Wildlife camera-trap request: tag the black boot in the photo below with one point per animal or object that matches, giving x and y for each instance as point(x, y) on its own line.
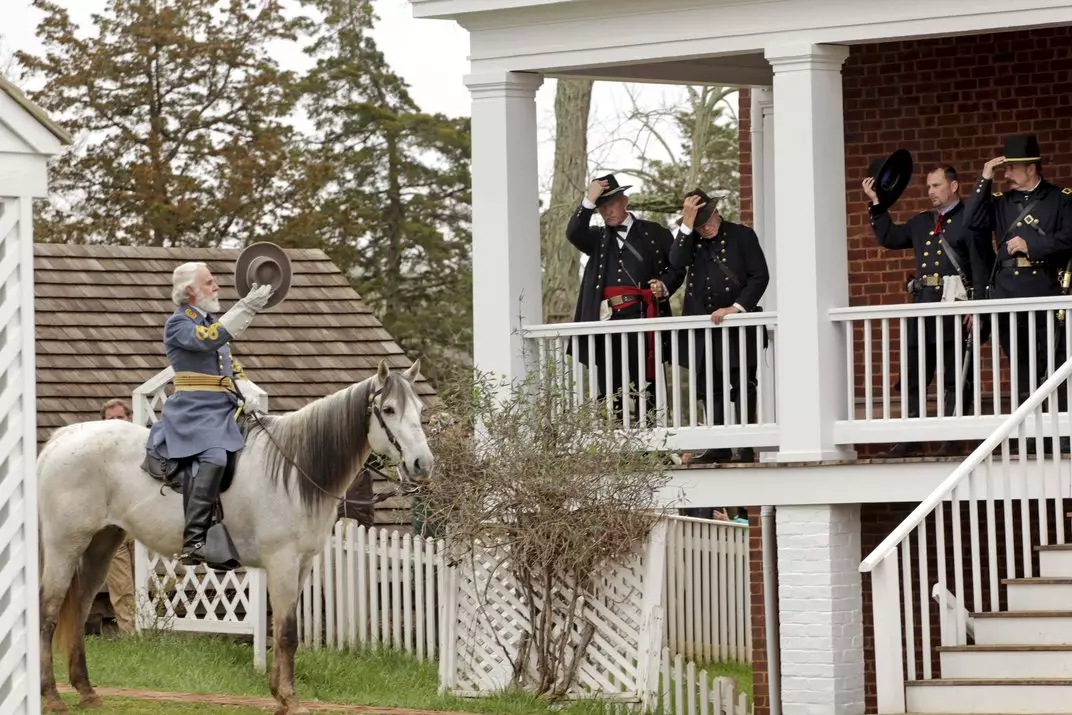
point(203, 541)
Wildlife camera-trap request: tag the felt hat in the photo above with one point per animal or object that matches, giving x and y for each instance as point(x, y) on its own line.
point(263, 263)
point(706, 209)
point(613, 189)
point(892, 175)
point(1021, 148)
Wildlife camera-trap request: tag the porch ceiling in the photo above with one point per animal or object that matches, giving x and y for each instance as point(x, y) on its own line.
point(736, 70)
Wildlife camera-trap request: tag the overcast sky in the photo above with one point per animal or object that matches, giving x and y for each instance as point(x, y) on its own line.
point(432, 56)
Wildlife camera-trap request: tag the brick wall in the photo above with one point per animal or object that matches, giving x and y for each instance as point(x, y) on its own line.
point(948, 100)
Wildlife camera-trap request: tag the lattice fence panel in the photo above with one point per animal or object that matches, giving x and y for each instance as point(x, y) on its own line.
point(18, 483)
point(492, 622)
point(171, 596)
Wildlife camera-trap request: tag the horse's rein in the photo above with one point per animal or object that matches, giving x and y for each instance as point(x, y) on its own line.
point(376, 499)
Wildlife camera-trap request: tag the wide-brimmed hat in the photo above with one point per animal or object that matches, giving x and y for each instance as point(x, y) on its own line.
point(263, 263)
point(706, 209)
point(1021, 148)
point(892, 176)
point(613, 189)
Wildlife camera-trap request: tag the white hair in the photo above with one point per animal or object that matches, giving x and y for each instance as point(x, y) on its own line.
point(182, 278)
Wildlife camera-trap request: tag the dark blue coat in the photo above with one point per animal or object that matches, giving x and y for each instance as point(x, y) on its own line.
point(194, 421)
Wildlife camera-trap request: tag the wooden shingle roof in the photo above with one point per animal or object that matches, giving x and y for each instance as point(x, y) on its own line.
point(100, 313)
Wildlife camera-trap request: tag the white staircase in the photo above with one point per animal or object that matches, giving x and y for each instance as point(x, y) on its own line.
point(1021, 660)
point(990, 546)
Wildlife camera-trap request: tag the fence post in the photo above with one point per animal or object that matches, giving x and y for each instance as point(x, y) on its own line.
point(889, 655)
point(651, 616)
point(258, 605)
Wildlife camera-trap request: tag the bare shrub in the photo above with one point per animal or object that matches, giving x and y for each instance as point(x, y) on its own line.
point(538, 486)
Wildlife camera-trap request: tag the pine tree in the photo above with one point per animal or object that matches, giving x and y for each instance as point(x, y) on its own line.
point(180, 113)
point(392, 189)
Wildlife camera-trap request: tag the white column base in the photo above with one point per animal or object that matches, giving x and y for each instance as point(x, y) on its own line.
point(820, 609)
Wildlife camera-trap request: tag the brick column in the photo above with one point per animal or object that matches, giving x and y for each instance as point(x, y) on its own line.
point(820, 610)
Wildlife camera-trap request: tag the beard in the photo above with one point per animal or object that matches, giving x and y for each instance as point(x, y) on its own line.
point(209, 302)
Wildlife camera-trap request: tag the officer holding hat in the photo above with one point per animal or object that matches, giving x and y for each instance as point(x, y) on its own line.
point(727, 274)
point(950, 261)
point(627, 276)
point(1032, 224)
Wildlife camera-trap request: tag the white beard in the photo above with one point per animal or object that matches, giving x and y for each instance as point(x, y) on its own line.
point(210, 304)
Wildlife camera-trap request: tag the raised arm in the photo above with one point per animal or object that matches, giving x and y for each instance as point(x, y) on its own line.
point(889, 234)
point(682, 252)
point(579, 230)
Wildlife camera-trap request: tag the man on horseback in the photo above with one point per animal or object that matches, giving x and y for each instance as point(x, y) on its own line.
point(200, 421)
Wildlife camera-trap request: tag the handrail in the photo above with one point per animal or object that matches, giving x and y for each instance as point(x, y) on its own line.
point(960, 307)
point(884, 549)
point(677, 322)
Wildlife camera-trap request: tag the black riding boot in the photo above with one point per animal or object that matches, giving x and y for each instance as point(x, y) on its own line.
point(200, 496)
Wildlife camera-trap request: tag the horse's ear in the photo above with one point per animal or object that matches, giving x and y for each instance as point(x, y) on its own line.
point(411, 373)
point(382, 372)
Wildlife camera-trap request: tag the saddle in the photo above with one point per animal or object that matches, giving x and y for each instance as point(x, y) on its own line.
point(174, 473)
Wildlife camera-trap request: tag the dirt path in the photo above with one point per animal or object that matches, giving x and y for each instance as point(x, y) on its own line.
point(251, 701)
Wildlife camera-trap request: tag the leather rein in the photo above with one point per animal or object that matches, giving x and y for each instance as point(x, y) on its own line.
point(374, 406)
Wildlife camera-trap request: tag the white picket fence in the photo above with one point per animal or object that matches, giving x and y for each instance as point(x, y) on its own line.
point(371, 588)
point(706, 593)
point(374, 588)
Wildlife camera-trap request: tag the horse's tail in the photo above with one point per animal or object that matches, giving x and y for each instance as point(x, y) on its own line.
point(69, 620)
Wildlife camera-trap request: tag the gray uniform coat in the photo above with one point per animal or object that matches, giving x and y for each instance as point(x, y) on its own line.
point(193, 422)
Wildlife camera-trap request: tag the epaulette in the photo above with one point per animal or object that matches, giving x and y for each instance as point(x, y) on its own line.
point(190, 313)
point(1066, 192)
point(996, 193)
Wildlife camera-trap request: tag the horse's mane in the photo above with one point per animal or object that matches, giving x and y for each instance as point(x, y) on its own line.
point(327, 439)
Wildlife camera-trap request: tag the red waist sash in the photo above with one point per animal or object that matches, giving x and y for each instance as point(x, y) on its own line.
point(650, 311)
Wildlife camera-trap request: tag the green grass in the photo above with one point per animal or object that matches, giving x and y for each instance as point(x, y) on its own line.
point(219, 665)
point(134, 706)
point(740, 673)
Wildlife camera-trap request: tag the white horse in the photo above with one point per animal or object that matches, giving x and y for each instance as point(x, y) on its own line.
point(279, 509)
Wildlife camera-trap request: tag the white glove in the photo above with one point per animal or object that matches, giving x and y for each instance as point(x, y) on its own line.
point(237, 319)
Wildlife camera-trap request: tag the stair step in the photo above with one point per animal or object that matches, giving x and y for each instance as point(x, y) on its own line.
point(1023, 628)
point(1037, 594)
point(1006, 662)
point(968, 696)
point(1055, 561)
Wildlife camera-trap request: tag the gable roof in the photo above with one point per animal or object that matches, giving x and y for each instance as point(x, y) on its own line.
point(34, 111)
point(100, 313)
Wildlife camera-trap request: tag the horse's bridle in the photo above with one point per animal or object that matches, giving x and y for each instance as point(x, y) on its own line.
point(403, 488)
point(374, 405)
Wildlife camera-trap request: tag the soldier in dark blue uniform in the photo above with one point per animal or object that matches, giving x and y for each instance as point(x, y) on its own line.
point(200, 420)
point(628, 275)
point(945, 248)
point(727, 274)
point(1032, 223)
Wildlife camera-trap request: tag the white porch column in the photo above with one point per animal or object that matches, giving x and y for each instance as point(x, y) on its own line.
point(821, 632)
point(506, 218)
point(811, 262)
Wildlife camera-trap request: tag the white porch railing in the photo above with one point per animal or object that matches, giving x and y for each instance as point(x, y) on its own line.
point(168, 595)
point(987, 492)
point(876, 349)
point(670, 406)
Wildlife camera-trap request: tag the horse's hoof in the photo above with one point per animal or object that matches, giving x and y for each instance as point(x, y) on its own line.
point(90, 702)
point(55, 705)
point(294, 709)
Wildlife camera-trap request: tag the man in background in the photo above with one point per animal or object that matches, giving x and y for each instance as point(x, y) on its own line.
point(120, 580)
